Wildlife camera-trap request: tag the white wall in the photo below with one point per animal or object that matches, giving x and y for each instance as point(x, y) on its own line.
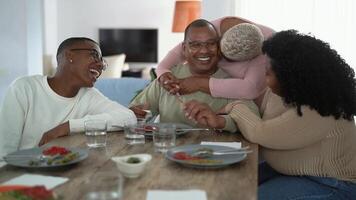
point(20, 39)
point(34, 17)
point(329, 20)
point(214, 9)
point(50, 27)
point(39, 26)
point(85, 17)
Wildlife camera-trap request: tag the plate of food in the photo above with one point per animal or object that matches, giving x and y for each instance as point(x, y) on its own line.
point(181, 129)
point(53, 156)
point(191, 155)
point(26, 192)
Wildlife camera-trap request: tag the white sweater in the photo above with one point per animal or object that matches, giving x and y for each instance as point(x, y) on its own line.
point(31, 108)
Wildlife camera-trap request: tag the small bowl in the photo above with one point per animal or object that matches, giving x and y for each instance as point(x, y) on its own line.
point(132, 170)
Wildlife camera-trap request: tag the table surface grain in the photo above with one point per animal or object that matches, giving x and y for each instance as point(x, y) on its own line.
point(234, 182)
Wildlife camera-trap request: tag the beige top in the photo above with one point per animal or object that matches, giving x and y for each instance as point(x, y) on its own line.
point(293, 145)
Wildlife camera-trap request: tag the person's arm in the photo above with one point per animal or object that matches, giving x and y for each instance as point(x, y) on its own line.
point(249, 87)
point(204, 115)
point(286, 131)
point(56, 132)
point(166, 79)
point(140, 110)
point(173, 58)
point(12, 119)
point(149, 96)
point(100, 107)
point(193, 84)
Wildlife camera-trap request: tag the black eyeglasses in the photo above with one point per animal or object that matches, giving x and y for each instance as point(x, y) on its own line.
point(96, 56)
point(197, 45)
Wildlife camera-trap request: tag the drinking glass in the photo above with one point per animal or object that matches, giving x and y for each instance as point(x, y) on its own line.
point(95, 132)
point(164, 137)
point(135, 134)
point(104, 186)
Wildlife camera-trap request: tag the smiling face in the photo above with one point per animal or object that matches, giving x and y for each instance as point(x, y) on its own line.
point(201, 50)
point(85, 62)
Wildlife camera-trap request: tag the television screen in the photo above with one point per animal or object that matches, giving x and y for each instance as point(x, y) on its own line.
point(139, 45)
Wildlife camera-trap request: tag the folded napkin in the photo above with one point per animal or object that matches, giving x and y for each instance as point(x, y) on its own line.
point(34, 179)
point(236, 145)
point(176, 195)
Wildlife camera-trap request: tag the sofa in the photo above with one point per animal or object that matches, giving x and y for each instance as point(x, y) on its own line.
point(121, 90)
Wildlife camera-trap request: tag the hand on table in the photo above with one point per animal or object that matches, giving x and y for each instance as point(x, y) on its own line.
point(56, 132)
point(203, 114)
point(140, 110)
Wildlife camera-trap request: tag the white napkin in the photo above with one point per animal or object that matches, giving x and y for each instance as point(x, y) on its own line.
point(34, 179)
point(176, 195)
point(236, 145)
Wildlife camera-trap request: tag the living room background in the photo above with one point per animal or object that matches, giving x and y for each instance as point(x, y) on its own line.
point(32, 30)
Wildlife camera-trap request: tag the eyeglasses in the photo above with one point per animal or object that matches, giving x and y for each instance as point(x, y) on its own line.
point(96, 56)
point(196, 45)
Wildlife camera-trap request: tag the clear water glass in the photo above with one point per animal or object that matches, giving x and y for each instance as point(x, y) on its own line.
point(164, 137)
point(135, 134)
point(105, 186)
point(95, 132)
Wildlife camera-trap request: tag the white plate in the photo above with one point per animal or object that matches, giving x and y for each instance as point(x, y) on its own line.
point(217, 161)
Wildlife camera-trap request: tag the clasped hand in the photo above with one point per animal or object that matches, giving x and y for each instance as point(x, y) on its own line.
point(202, 114)
point(179, 86)
point(140, 110)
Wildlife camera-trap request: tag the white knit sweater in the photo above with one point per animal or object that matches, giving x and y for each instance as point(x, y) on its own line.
point(31, 108)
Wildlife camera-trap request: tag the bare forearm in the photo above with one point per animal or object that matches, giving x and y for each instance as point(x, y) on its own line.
point(203, 84)
point(59, 131)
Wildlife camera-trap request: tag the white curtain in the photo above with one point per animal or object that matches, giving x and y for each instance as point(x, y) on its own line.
point(333, 21)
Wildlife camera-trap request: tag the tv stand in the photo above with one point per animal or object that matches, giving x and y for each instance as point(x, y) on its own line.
point(130, 73)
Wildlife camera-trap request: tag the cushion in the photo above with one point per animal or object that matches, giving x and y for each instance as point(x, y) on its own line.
point(121, 90)
point(115, 66)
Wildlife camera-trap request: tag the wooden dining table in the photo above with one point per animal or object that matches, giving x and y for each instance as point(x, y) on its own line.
point(233, 182)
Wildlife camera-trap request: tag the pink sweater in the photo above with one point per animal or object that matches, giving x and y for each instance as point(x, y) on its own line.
point(248, 77)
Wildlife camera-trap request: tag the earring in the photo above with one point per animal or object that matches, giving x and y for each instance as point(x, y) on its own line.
point(70, 60)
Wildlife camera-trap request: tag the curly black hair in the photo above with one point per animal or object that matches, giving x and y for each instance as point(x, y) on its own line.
point(310, 73)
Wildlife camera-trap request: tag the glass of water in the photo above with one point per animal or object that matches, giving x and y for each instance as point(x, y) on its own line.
point(135, 134)
point(104, 186)
point(164, 137)
point(95, 132)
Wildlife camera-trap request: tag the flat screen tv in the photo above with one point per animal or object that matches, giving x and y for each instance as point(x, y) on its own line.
point(139, 45)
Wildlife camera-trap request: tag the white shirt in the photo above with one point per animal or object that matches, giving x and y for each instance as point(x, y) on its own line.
point(31, 108)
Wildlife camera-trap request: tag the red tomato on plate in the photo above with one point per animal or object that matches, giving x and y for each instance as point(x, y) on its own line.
point(55, 150)
point(184, 156)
